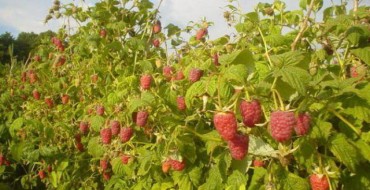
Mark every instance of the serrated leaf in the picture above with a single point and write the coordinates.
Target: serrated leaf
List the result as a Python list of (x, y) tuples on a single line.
[(95, 148), (260, 148), (236, 73), (257, 180), (172, 30), (15, 126), (236, 180), (17, 151), (321, 131), (214, 180), (363, 54), (296, 77), (357, 108), (145, 164), (195, 176), (196, 89), (146, 66), (244, 57), (97, 122), (118, 167), (344, 151), (291, 181)]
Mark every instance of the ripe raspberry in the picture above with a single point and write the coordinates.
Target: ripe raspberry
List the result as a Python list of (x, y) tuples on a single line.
[(319, 182), (2, 159), (145, 81), (42, 174), (115, 127), (36, 94), (215, 59), (65, 99), (142, 118), (78, 138), (195, 75), (126, 134), (103, 33), (166, 166), (225, 124), (181, 103), (49, 102), (177, 165), (80, 146), (258, 163), (84, 127), (106, 135), (50, 169), (201, 33), (251, 112), (179, 76), (238, 146), (157, 27), (104, 164), (156, 43), (281, 125), (32, 76), (125, 158), (106, 176), (100, 110), (303, 124), (167, 72), (37, 58)]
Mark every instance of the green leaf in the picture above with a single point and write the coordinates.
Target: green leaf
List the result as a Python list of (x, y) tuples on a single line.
[(344, 151), (95, 148), (195, 176), (17, 151), (145, 164), (146, 66), (321, 131), (187, 146), (15, 126), (244, 57), (236, 180), (97, 122), (196, 89), (260, 148), (172, 30), (364, 148), (363, 54), (290, 181), (118, 167), (257, 181), (214, 180), (237, 73)]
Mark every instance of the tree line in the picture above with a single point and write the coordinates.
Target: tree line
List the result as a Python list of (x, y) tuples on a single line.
[(21, 46)]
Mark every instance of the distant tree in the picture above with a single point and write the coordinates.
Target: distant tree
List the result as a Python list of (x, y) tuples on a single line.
[(6, 40)]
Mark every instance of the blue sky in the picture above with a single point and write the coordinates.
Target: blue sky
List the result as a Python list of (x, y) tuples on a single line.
[(28, 15)]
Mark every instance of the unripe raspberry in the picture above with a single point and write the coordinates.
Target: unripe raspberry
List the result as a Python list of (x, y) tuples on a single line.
[(319, 182), (282, 124), (238, 146), (166, 166), (251, 112), (226, 124), (65, 99), (157, 27)]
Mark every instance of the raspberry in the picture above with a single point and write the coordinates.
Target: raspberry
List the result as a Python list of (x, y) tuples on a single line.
[(32, 76), (238, 146), (179, 76), (104, 164), (61, 61), (125, 158), (156, 43), (251, 112), (258, 163), (37, 58), (80, 146), (157, 27), (166, 166), (115, 127), (215, 59), (50, 169), (84, 127), (106, 135), (195, 75), (42, 174), (126, 134), (145, 81), (358, 71), (49, 102), (303, 124), (141, 118), (36, 94), (78, 138), (167, 72), (94, 78), (177, 165), (103, 33), (225, 124), (106, 176), (181, 103), (24, 77), (319, 182), (2, 159), (281, 125), (100, 110), (65, 99), (201, 33)]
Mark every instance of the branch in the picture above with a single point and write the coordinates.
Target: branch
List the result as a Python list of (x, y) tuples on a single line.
[(355, 5), (304, 26)]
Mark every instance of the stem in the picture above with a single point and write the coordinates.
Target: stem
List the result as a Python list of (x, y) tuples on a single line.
[(304, 26), (346, 122), (280, 99), (264, 43)]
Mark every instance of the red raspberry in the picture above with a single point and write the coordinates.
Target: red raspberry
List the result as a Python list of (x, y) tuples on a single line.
[(115, 126), (157, 27), (126, 134), (167, 72), (181, 103), (195, 75), (258, 163), (303, 124), (156, 43), (201, 33), (65, 99), (24, 77), (319, 182), (225, 124), (103, 33), (125, 158), (49, 102), (106, 135), (80, 146), (42, 174), (50, 169), (61, 61), (142, 118), (179, 76), (78, 138), (145, 81), (106, 176), (32, 76), (2, 159), (166, 166), (94, 78), (104, 164), (281, 125), (36, 94), (238, 146), (100, 110), (84, 127), (37, 58), (215, 59), (251, 112), (177, 165)]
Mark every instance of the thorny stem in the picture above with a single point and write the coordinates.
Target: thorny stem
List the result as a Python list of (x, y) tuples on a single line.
[(304, 26)]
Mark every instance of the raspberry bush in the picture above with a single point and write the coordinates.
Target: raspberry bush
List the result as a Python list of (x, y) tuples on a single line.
[(282, 104)]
